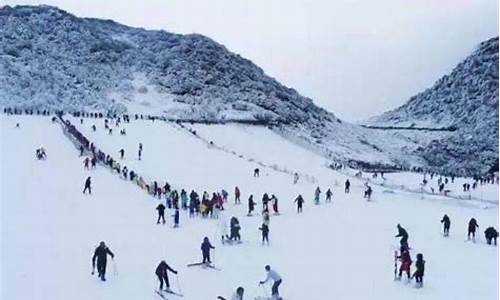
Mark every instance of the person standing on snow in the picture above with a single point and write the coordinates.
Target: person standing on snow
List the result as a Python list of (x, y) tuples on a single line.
[(223, 228), (100, 255), (238, 294), (405, 264), (237, 195), (491, 234), (86, 162), (122, 153), (404, 237), (265, 201), (317, 193), (251, 205), (328, 196), (87, 186), (446, 225), (299, 201), (472, 229), (419, 273), (275, 204), (161, 213), (162, 274), (139, 152), (235, 229), (176, 217), (273, 275), (265, 233), (205, 250), (347, 188), (266, 218), (295, 178)]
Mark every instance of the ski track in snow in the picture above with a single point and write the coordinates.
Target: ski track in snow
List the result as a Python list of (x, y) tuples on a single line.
[(342, 250)]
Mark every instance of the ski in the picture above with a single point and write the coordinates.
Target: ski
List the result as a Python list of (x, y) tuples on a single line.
[(161, 295), (195, 264), (212, 267), (204, 265), (174, 293)]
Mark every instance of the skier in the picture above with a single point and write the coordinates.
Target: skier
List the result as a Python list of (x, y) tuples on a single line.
[(87, 186), (161, 213), (266, 218), (184, 199), (472, 229), (222, 224), (235, 229), (405, 264), (271, 274), (86, 162), (161, 272), (299, 201), (139, 152), (100, 254), (251, 205), (317, 193), (224, 194), (122, 153), (368, 192), (238, 294), (295, 178), (176, 217), (265, 233), (237, 195), (265, 201), (205, 250), (347, 188), (328, 196), (491, 234), (275, 204), (446, 225), (81, 150), (256, 172), (419, 273), (404, 237)]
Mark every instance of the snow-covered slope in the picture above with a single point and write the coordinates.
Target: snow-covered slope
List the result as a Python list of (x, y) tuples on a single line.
[(50, 59), (53, 60), (466, 101), (342, 250)]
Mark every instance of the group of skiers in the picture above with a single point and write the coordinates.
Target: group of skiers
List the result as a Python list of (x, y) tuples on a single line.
[(211, 206), (490, 234), (99, 260), (405, 260)]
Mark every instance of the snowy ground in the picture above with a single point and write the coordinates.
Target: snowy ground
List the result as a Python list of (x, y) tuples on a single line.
[(342, 250)]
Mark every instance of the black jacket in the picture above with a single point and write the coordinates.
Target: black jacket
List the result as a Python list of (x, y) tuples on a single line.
[(100, 254), (162, 269)]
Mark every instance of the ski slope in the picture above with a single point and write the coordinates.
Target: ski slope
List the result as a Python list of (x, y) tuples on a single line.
[(342, 250)]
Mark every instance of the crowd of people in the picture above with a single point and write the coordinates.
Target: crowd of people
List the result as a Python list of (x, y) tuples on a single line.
[(212, 206)]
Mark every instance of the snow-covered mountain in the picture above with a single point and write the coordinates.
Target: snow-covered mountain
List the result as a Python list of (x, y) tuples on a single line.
[(466, 102), (50, 59)]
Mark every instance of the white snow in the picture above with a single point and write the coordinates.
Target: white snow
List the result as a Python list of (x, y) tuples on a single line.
[(342, 250)]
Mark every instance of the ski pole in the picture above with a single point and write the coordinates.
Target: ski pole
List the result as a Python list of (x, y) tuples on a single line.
[(265, 290), (115, 271), (178, 284)]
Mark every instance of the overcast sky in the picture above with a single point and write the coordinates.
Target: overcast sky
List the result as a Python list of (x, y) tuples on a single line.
[(355, 58)]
